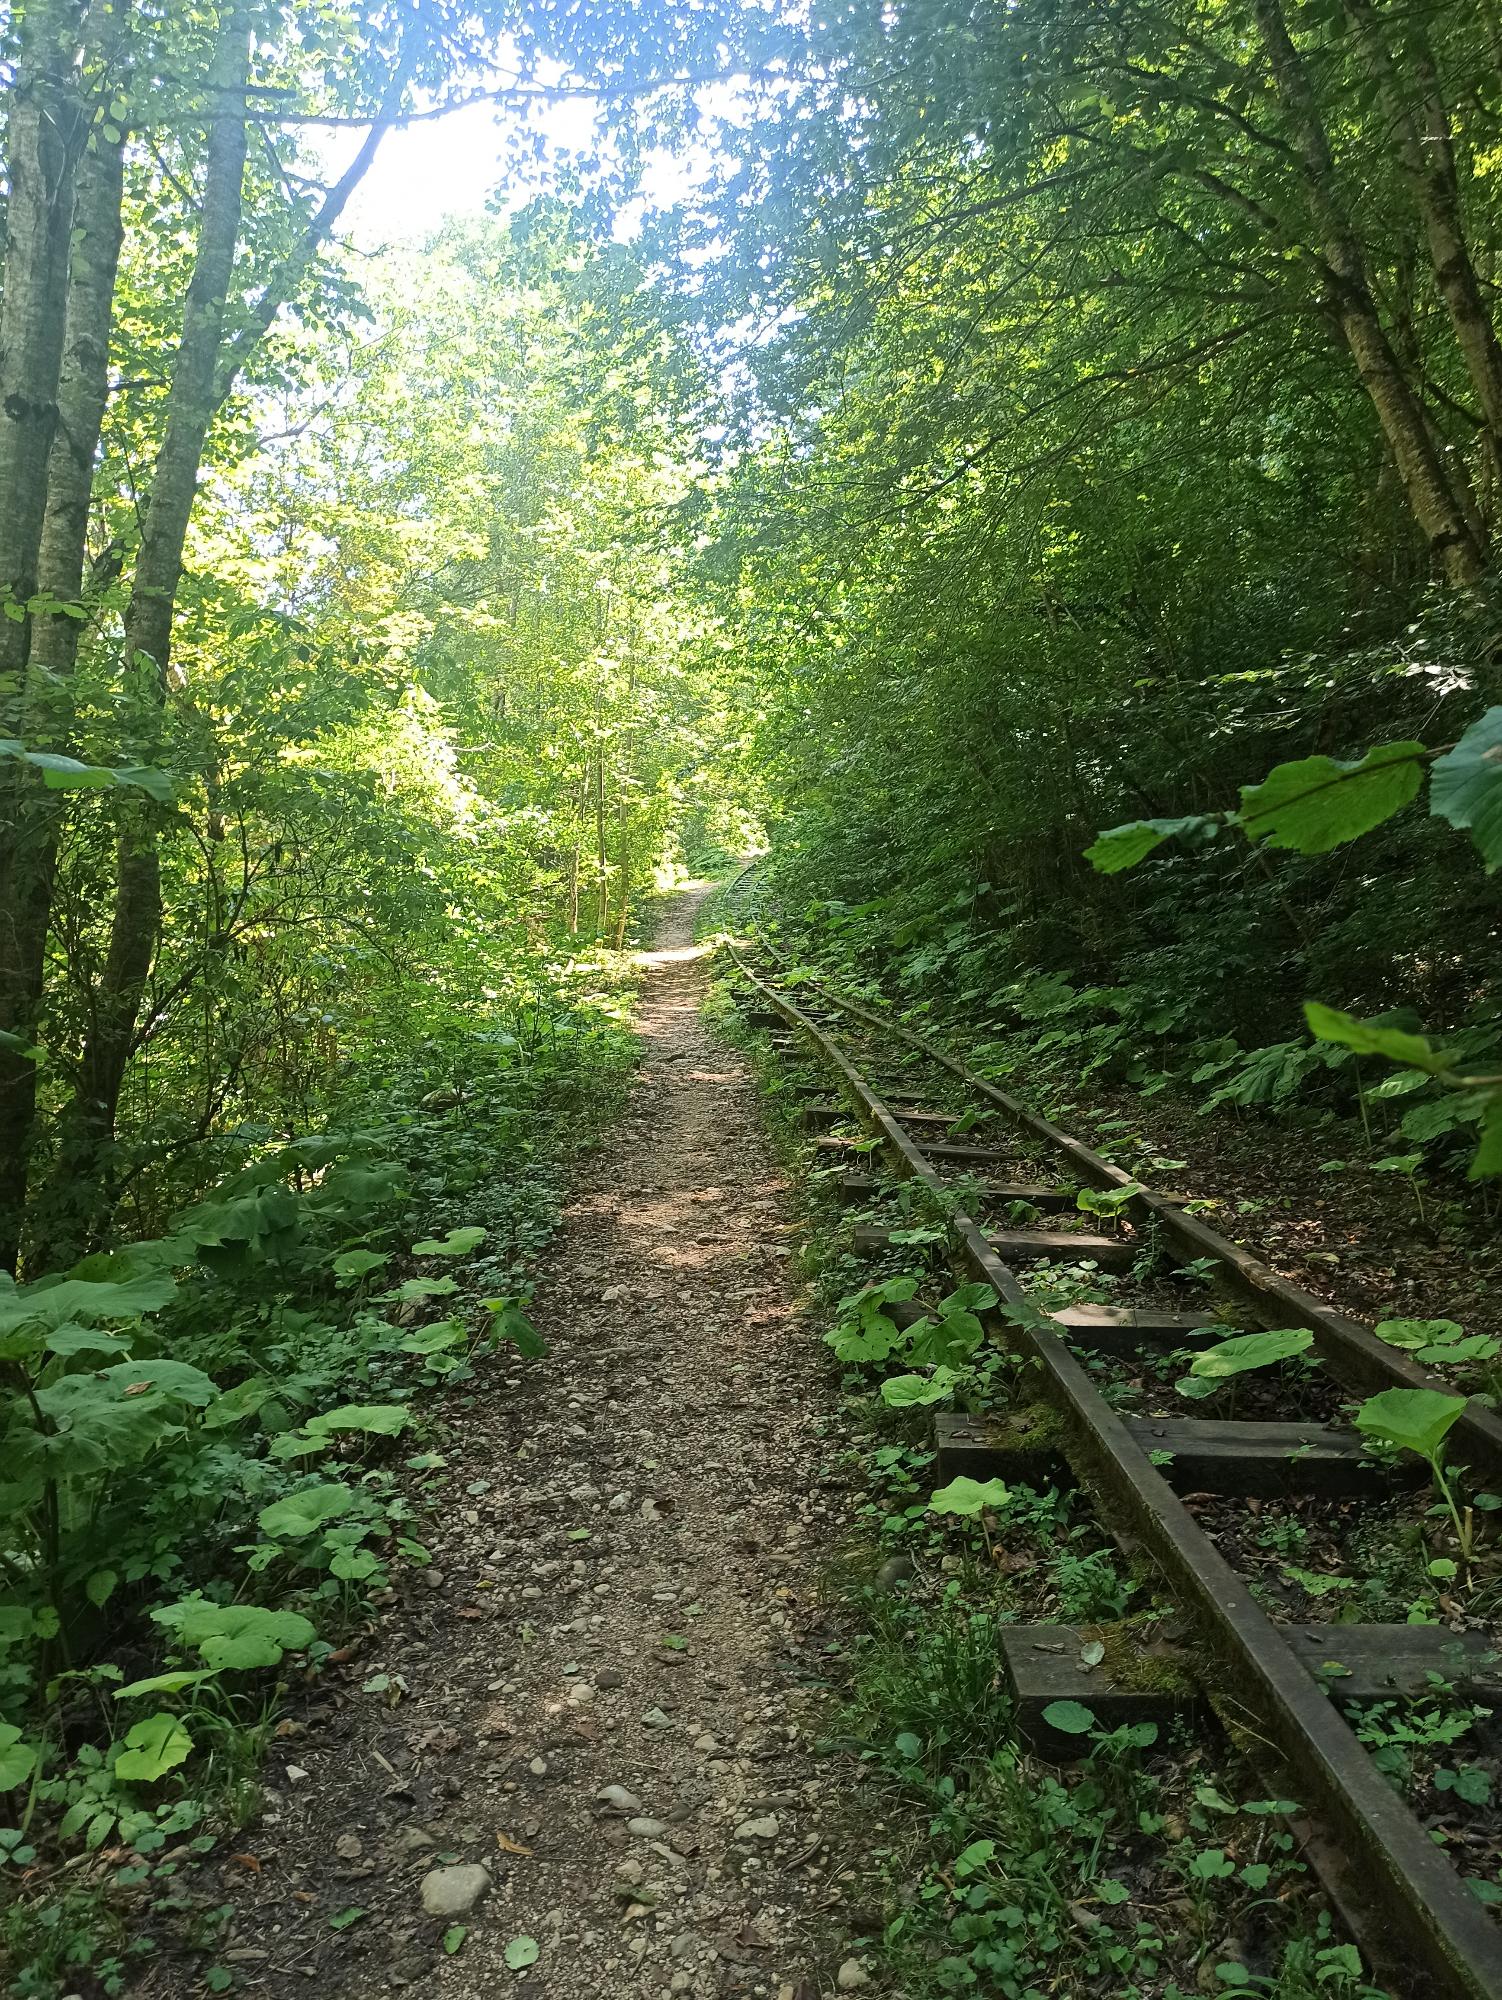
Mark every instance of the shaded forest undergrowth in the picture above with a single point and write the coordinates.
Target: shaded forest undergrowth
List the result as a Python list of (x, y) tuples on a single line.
[(227, 1484)]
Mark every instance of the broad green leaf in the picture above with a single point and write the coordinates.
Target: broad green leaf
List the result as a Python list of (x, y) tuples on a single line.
[(1316, 803), (68, 774), (875, 1338), (1419, 1420), (17, 1759), (152, 1749), (1438, 1115), (426, 1288), (353, 1565), (906, 1392), (522, 1952), (511, 1323), (1070, 1718), (380, 1419), (949, 1341), (177, 1379), (1488, 1156), (1371, 1038), (239, 1403), (168, 1683), (969, 1496), (68, 1341), (302, 1512), (17, 1622), (971, 1298), (100, 1585), (114, 1417), (236, 1636), (79, 1299), (1416, 1333), (458, 1243), (358, 1263), (1466, 786), (1246, 1351), (436, 1339), (1122, 847), (974, 1857)]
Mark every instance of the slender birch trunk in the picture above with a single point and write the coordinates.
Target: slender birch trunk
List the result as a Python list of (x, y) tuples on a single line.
[(209, 359), (1420, 120), (46, 128), (602, 852), (623, 869), (79, 1201), (1437, 502), (34, 815)]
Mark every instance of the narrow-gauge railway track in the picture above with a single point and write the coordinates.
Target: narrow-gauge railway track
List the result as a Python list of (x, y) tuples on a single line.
[(1396, 1886)]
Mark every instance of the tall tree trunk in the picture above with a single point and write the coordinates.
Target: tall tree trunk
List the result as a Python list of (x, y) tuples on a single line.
[(46, 128), (33, 815), (581, 804), (80, 1199), (602, 852), (1438, 504), (623, 869), (204, 373), (1421, 121)]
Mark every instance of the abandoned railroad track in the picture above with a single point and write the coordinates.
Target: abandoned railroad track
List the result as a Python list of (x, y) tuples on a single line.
[(907, 1134)]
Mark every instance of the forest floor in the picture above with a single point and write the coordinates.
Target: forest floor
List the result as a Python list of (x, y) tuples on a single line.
[(1349, 1234), (609, 1677)]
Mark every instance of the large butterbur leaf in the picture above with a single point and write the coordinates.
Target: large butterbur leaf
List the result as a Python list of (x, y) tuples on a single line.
[(17, 1759), (114, 1416), (1246, 1351), (967, 1496), (236, 1636), (1417, 1420), (1122, 847), (1466, 788), (83, 1300), (70, 774), (152, 1749), (458, 1243), (300, 1513), (1374, 1038), (908, 1392), (379, 1419), (1316, 803)]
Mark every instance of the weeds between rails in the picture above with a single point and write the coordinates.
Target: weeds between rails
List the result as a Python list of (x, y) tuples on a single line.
[(917, 1237)]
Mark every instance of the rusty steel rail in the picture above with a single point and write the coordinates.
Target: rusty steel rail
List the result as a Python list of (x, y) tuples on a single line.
[(1352, 1352), (1407, 1904)]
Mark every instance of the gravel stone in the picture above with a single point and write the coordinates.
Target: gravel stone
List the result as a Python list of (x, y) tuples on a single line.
[(454, 1892)]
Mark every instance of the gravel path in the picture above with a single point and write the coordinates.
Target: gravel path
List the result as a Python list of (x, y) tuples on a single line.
[(608, 1706)]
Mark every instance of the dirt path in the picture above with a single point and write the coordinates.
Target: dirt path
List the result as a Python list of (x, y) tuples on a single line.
[(627, 1594)]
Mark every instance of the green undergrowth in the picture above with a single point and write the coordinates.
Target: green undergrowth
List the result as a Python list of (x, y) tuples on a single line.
[(224, 1445), (1154, 1865), (953, 972)]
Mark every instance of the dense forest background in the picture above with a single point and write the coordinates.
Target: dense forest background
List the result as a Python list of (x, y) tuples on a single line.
[(1135, 381), (1015, 423), (1025, 423)]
